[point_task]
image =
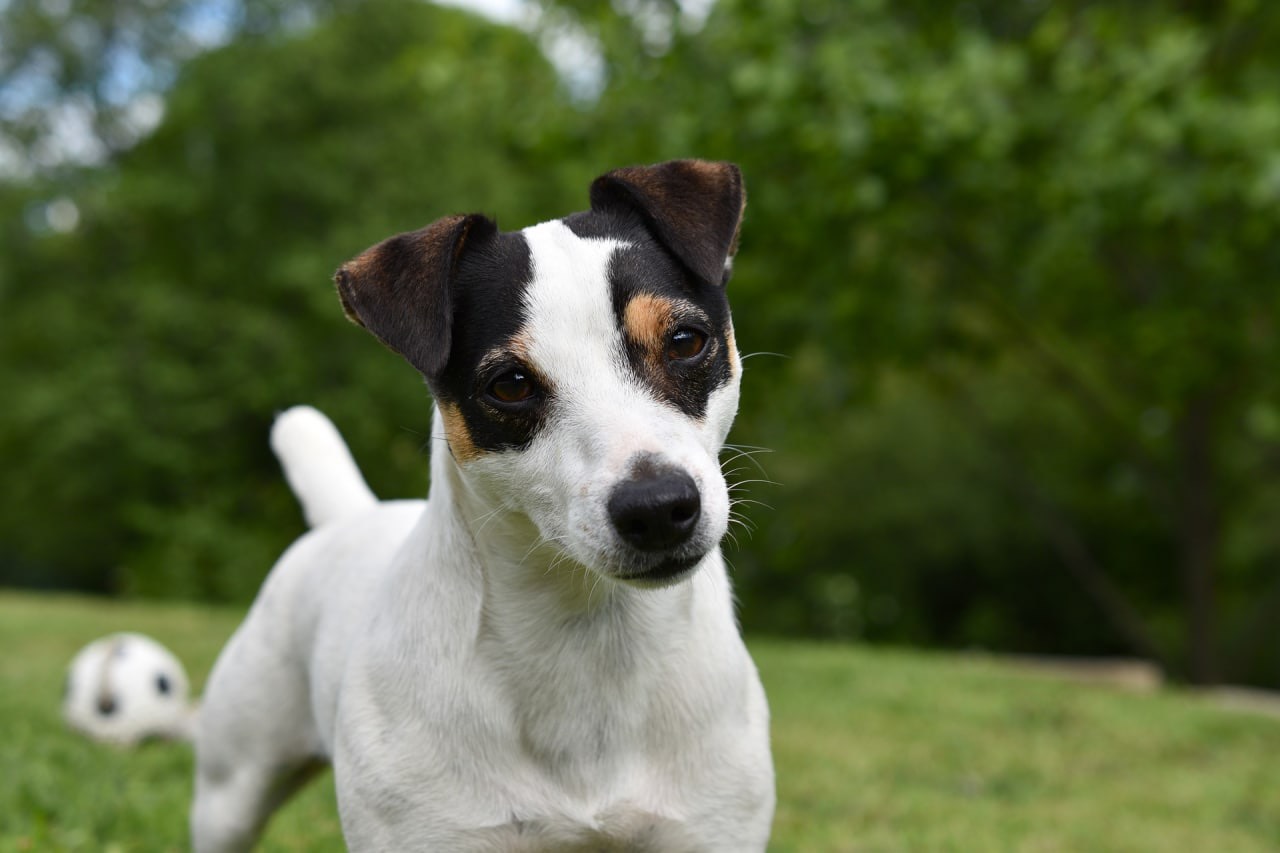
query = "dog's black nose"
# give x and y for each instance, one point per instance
(656, 511)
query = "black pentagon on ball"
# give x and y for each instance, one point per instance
(106, 704)
(163, 685)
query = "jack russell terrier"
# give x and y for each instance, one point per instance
(544, 654)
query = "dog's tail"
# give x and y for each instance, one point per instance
(318, 466)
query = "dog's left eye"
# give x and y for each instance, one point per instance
(511, 386)
(685, 343)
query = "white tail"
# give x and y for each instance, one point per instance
(318, 466)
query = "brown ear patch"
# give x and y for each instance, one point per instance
(400, 289)
(693, 207)
(461, 444)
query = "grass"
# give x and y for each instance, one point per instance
(875, 750)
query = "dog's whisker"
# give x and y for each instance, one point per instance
(592, 591)
(740, 518)
(735, 454)
(488, 517)
(745, 452)
(538, 543)
(563, 556)
(745, 356)
(738, 484)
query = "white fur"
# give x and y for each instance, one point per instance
(473, 666)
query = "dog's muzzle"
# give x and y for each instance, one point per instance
(656, 511)
(659, 528)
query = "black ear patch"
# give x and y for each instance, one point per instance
(400, 289)
(693, 207)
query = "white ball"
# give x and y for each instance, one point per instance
(125, 688)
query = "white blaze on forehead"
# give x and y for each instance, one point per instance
(573, 332)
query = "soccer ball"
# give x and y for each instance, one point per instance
(126, 688)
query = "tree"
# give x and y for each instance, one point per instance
(147, 350)
(1020, 259)
(80, 82)
(1060, 220)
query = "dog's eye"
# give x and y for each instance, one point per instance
(685, 343)
(512, 386)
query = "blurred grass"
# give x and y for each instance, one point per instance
(875, 750)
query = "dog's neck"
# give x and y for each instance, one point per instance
(583, 658)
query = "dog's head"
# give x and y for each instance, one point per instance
(584, 368)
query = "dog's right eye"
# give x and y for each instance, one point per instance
(686, 343)
(512, 386)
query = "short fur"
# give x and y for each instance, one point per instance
(543, 655)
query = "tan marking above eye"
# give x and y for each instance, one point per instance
(520, 345)
(517, 349)
(647, 319)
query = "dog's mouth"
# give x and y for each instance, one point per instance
(668, 571)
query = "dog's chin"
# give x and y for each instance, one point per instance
(668, 571)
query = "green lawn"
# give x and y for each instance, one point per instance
(875, 750)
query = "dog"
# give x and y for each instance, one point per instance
(544, 654)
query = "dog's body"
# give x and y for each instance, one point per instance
(544, 654)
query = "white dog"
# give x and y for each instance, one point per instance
(544, 654)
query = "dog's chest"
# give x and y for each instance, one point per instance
(602, 765)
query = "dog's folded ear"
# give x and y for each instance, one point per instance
(694, 207)
(400, 289)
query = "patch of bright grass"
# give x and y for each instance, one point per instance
(875, 750)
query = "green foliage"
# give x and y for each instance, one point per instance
(1056, 229)
(1020, 260)
(147, 352)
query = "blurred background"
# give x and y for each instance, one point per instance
(1009, 279)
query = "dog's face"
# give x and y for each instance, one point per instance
(584, 368)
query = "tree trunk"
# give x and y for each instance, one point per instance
(1200, 539)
